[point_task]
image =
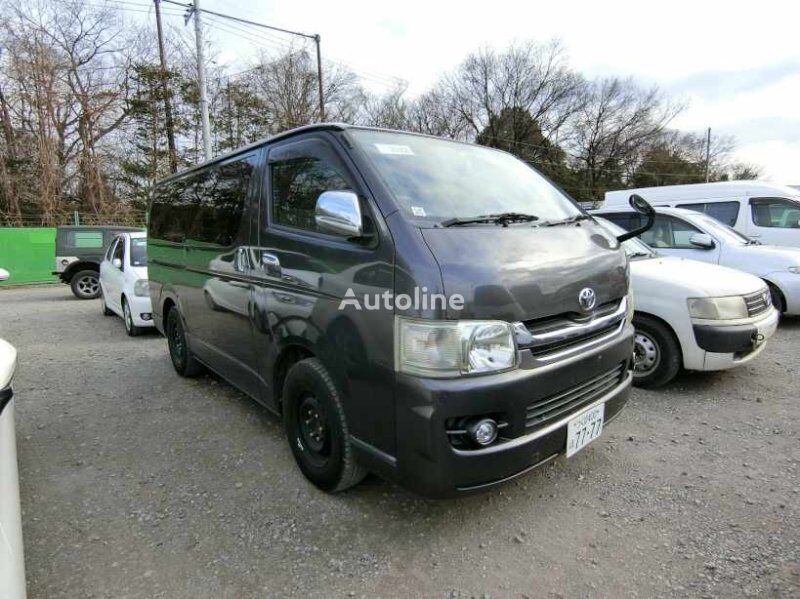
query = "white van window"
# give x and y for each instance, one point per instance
(776, 213)
(724, 212)
(670, 232)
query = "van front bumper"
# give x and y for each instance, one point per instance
(429, 463)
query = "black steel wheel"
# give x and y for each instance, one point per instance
(182, 358)
(316, 427)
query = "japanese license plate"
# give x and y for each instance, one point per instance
(584, 428)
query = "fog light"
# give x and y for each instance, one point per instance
(146, 315)
(483, 432)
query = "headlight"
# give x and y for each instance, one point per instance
(629, 306)
(141, 288)
(445, 348)
(717, 308)
(794, 269)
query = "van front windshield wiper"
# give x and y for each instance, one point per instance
(502, 218)
(565, 221)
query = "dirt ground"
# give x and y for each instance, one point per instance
(137, 483)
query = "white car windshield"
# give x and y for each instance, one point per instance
(728, 234)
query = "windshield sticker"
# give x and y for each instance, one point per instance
(418, 211)
(394, 149)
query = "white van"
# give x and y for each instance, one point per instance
(764, 211)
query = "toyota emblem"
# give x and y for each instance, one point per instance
(587, 298)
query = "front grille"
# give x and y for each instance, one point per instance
(572, 399)
(758, 303)
(566, 331)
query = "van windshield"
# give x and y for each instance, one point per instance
(436, 179)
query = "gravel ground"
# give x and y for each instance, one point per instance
(137, 483)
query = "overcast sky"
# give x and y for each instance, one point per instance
(737, 64)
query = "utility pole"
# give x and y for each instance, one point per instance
(201, 76)
(708, 151)
(173, 155)
(316, 39)
(319, 79)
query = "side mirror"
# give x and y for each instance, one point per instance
(644, 208)
(339, 212)
(4, 274)
(116, 263)
(702, 240)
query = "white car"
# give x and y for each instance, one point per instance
(689, 234)
(12, 564)
(758, 209)
(693, 315)
(124, 288)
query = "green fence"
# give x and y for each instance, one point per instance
(28, 253)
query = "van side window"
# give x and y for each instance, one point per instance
(167, 211)
(670, 232)
(296, 184)
(725, 212)
(775, 213)
(218, 201)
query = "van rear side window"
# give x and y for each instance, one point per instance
(205, 206)
(775, 213)
(725, 212)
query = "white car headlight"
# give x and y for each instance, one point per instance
(450, 348)
(141, 288)
(794, 269)
(718, 308)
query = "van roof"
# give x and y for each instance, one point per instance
(719, 189)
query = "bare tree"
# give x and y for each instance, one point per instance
(615, 120)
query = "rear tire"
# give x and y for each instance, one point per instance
(130, 328)
(86, 284)
(656, 353)
(317, 429)
(183, 360)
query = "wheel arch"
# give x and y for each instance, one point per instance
(289, 355)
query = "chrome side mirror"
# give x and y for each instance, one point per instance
(339, 213)
(4, 274)
(702, 240)
(116, 263)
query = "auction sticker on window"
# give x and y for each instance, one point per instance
(395, 149)
(584, 428)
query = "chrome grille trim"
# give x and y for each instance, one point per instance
(758, 302)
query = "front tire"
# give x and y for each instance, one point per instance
(127, 316)
(183, 360)
(656, 353)
(317, 429)
(86, 284)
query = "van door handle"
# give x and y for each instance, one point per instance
(270, 264)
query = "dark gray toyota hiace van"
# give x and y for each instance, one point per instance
(435, 312)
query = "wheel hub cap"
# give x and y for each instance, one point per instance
(646, 354)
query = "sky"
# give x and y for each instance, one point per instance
(736, 65)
